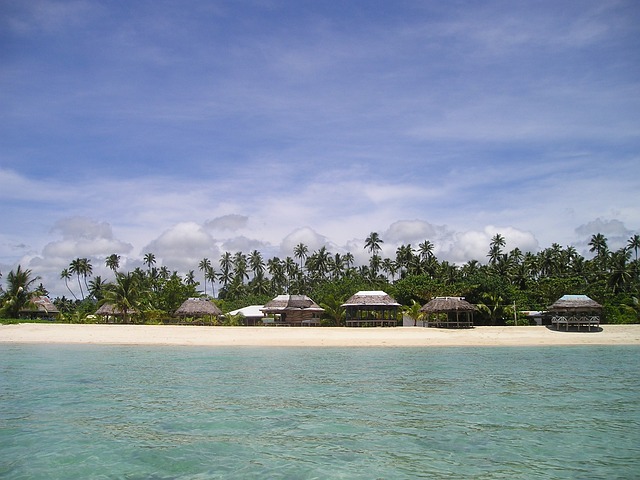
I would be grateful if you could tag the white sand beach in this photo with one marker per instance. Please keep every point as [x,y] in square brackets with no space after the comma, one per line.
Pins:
[313,336]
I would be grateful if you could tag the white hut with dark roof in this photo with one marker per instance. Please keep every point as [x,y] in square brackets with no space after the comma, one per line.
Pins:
[371,308]
[293,310]
[575,310]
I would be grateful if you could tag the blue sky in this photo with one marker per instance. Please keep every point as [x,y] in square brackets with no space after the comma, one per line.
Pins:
[189,128]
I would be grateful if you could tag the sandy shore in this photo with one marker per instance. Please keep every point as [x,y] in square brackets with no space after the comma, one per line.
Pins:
[313,337]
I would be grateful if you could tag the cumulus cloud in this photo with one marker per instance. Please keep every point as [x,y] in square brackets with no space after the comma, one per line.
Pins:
[84,237]
[244,244]
[474,244]
[231,222]
[306,235]
[183,245]
[614,230]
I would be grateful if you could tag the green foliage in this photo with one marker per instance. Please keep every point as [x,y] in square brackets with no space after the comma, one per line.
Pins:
[532,281]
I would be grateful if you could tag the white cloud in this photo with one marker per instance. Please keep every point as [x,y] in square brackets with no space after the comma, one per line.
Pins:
[230,222]
[182,246]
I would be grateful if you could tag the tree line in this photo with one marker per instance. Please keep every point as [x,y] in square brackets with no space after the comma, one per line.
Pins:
[506,283]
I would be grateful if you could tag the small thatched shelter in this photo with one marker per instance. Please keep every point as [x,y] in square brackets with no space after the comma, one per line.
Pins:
[450,312]
[39,307]
[109,313]
[293,310]
[373,308]
[575,310]
[198,308]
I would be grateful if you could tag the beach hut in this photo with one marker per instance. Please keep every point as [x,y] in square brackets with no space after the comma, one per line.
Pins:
[250,316]
[39,307]
[292,310]
[371,309]
[450,312]
[575,310]
[109,313]
[198,308]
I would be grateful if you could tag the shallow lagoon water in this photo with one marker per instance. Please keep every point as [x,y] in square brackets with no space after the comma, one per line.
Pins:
[108,412]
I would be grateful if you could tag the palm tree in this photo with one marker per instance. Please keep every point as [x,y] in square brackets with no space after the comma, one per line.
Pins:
[190,278]
[404,258]
[256,264]
[301,251]
[240,268]
[275,267]
[634,244]
[426,250]
[18,292]
[204,266]
[413,311]
[495,248]
[372,243]
[124,294]
[492,306]
[210,275]
[598,244]
[113,262]
[226,264]
[96,288]
[66,275]
[149,260]
[334,311]
[390,268]
[87,270]
[620,273]
[77,267]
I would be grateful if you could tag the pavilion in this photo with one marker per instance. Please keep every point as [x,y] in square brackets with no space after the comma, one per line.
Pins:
[371,309]
[450,312]
[575,310]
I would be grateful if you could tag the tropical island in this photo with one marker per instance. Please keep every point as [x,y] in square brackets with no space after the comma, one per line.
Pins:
[504,288]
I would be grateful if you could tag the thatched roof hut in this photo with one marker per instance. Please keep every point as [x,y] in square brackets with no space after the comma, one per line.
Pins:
[294,310]
[40,307]
[459,312]
[575,303]
[371,298]
[108,311]
[371,308]
[198,307]
[575,310]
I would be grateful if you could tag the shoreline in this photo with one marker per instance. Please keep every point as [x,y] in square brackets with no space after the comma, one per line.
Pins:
[175,335]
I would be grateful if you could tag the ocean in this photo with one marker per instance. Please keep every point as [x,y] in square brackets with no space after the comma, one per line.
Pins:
[114,412]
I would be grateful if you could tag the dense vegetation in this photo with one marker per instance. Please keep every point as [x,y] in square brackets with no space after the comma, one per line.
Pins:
[509,281]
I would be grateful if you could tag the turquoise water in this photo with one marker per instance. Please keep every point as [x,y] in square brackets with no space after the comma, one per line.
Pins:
[234,413]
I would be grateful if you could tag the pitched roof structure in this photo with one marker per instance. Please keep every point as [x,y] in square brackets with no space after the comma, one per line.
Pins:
[448,304]
[371,298]
[574,302]
[252,311]
[108,309]
[197,307]
[42,304]
[283,303]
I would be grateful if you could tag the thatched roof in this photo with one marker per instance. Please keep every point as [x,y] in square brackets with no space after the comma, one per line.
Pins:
[371,298]
[291,302]
[197,307]
[108,309]
[575,302]
[448,304]
[42,305]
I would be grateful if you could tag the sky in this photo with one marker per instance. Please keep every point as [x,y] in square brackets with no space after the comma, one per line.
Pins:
[190,128]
